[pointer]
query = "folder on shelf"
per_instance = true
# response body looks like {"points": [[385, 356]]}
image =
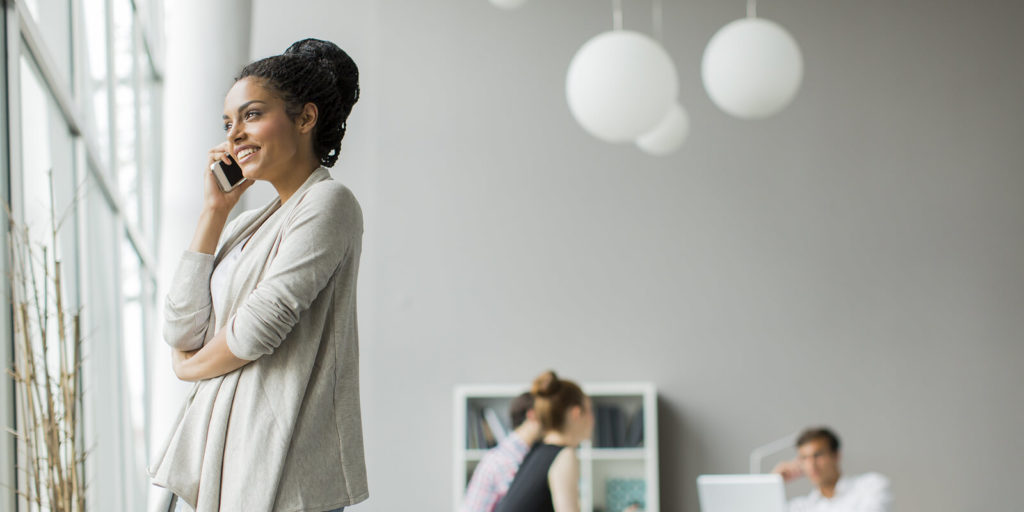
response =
{"points": [[635, 431], [618, 428], [611, 430], [602, 427]]}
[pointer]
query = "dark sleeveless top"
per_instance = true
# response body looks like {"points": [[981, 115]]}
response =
{"points": [[529, 491]]}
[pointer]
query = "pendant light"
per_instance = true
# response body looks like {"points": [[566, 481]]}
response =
{"points": [[622, 86], [752, 67]]}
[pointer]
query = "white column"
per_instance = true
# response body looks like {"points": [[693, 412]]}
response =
{"points": [[207, 44]]}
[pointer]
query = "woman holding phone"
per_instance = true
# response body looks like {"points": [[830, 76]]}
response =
{"points": [[261, 314], [548, 479]]}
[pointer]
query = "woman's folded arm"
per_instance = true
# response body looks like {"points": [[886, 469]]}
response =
{"points": [[188, 305], [213, 360]]}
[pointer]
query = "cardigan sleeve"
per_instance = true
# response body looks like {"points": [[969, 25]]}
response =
{"points": [[322, 232], [188, 305]]}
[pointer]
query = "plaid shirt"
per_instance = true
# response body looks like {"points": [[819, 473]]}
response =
{"points": [[494, 475]]}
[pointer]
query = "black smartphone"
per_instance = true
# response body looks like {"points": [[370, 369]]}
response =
{"points": [[228, 175]]}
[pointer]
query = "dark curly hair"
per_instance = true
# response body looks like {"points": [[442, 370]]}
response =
{"points": [[318, 72]]}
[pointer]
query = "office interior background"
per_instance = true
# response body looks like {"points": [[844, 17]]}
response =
{"points": [[856, 260]]}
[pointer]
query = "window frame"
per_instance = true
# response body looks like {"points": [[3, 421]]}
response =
{"points": [[8, 448], [23, 36]]}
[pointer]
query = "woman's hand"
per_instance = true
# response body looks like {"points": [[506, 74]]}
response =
{"points": [[217, 204], [179, 360], [213, 360], [216, 200]]}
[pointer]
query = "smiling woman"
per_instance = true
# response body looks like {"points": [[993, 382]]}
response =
{"points": [[262, 311], [264, 139]]}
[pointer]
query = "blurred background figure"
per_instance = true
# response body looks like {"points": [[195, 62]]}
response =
{"points": [[498, 467], [548, 480], [818, 459]]}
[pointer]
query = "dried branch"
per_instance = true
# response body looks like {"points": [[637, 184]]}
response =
{"points": [[47, 366]]}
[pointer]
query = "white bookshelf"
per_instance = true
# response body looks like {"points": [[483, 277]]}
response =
{"points": [[597, 465]]}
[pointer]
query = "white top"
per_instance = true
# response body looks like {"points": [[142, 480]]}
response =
{"points": [[865, 493], [221, 275]]}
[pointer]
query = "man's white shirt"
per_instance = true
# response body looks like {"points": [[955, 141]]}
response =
{"points": [[865, 493]]}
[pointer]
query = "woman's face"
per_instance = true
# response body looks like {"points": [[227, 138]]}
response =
{"points": [[588, 419], [582, 421], [261, 136]]}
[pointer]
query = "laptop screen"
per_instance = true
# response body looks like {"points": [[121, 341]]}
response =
{"points": [[741, 493]]}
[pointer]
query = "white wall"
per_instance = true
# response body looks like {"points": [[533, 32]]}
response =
{"points": [[854, 261]]}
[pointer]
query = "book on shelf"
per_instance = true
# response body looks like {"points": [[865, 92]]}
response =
{"points": [[485, 428], [494, 421], [471, 440], [481, 436], [489, 439]]}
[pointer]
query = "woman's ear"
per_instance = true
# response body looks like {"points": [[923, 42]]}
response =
{"points": [[307, 118], [576, 412]]}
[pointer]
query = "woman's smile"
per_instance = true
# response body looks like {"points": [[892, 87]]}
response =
{"points": [[243, 153]]}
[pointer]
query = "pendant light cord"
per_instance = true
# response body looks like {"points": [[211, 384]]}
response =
{"points": [[657, 18], [751, 8]]}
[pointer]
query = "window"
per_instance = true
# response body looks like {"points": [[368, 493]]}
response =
{"points": [[83, 105]]}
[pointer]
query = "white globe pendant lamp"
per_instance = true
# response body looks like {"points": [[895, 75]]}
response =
{"points": [[668, 135], [752, 67], [620, 84], [508, 4]]}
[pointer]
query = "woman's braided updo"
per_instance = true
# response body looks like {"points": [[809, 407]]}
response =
{"points": [[318, 72]]}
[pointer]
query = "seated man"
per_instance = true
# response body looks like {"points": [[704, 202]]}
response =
{"points": [[818, 460], [498, 466]]}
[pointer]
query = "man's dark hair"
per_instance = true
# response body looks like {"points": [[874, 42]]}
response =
{"points": [[815, 433], [518, 408]]}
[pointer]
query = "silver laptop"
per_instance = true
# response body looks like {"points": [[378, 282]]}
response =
{"points": [[741, 493]]}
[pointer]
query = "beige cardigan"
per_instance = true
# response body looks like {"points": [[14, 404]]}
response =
{"points": [[284, 432]]}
